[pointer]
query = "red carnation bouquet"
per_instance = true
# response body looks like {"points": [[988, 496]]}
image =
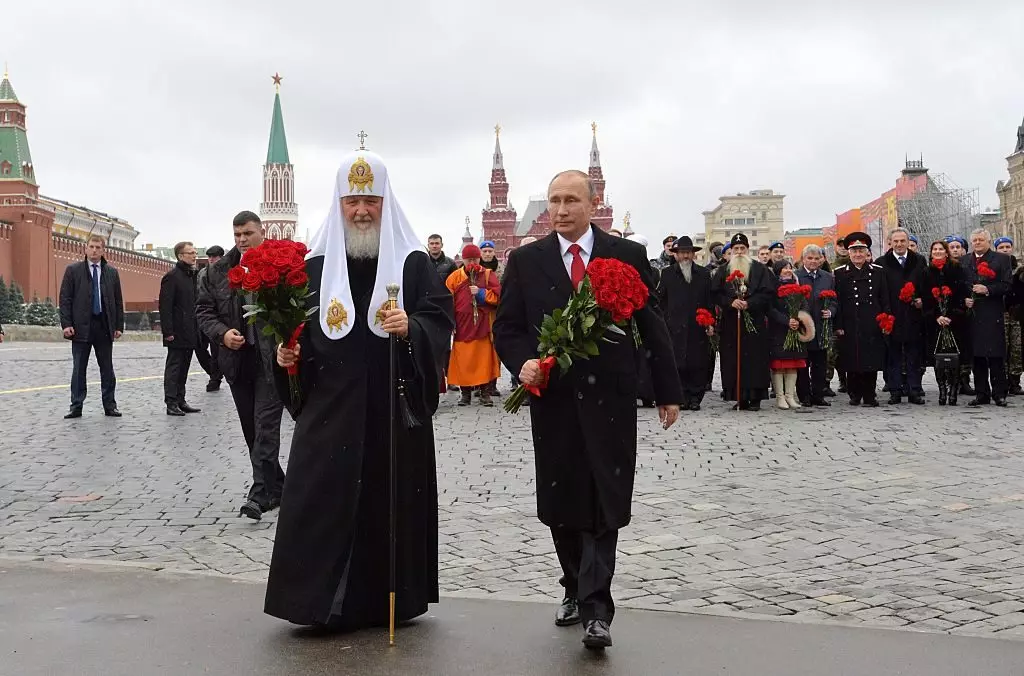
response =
{"points": [[706, 320], [828, 298], [886, 322], [795, 295], [473, 272], [737, 279], [275, 274], [605, 302], [985, 274], [908, 294], [946, 342]]}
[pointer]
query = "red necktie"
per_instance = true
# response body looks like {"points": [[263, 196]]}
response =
{"points": [[578, 270]]}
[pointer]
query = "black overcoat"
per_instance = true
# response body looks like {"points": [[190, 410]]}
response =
{"points": [[331, 548], [584, 424], [909, 326], [988, 333], [822, 281], [680, 301], [862, 295], [952, 275], [178, 307], [76, 299], [755, 348]]}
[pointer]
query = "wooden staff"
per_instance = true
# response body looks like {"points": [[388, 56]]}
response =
{"points": [[739, 362], [392, 472]]}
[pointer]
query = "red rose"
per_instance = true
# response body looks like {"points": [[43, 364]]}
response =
{"points": [[946, 291], [235, 276], [907, 292], [252, 281], [300, 249], [270, 275], [986, 271], [936, 292], [297, 278], [806, 290], [252, 258]]}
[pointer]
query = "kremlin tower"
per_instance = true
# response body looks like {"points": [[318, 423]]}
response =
{"points": [[603, 216], [278, 210], [499, 218]]}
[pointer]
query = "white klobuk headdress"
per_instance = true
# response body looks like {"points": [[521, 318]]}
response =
{"points": [[361, 173]]}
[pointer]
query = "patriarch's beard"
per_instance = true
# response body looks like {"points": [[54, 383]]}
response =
{"points": [[362, 243]]}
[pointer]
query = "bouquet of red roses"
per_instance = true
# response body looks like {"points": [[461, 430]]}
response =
{"points": [[736, 278], [946, 342], [986, 273], [605, 301], [274, 275], [886, 322], [908, 294], [706, 320], [827, 298], [795, 296]]}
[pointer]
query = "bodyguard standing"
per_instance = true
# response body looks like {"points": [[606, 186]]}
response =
{"points": [[178, 324], [247, 362], [206, 351], [92, 316], [584, 427], [686, 288]]}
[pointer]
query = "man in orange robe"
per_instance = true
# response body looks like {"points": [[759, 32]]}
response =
{"points": [[474, 363]]}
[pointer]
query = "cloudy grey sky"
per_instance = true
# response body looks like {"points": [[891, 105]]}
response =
{"points": [[159, 112]]}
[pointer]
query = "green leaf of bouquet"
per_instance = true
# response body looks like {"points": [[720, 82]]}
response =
{"points": [[591, 348]]}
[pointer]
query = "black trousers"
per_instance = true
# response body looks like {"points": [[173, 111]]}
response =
{"points": [[99, 340], [176, 374], [862, 385], [694, 382], [259, 412], [208, 358], [810, 380], [990, 377], [898, 356], [588, 564]]}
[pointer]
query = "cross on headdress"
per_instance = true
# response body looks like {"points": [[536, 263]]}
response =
{"points": [[362, 139]]}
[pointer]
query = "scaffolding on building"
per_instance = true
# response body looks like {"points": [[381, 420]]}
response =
{"points": [[941, 208]]}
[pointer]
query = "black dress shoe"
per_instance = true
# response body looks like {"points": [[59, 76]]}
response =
{"points": [[829, 392], [916, 399], [967, 390], [188, 409], [979, 401], [1000, 402], [251, 509], [112, 412], [73, 413], [694, 405], [597, 635], [754, 406], [172, 409], [895, 399], [213, 386], [820, 402], [568, 613], [870, 403]]}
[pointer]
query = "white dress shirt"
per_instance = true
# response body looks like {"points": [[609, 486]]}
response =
{"points": [[586, 242]]}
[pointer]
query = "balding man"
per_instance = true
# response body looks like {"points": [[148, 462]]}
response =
{"points": [[585, 424]]}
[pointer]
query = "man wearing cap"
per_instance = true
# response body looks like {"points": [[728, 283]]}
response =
{"points": [[985, 318], [1011, 318], [685, 289], [776, 252], [665, 259], [585, 421], [751, 296], [905, 346], [863, 295], [474, 363], [489, 260], [329, 566]]}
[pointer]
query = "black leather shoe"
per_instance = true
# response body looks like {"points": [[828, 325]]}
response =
{"points": [[251, 509], [73, 413], [895, 399], [112, 412], [213, 386], [597, 635], [694, 405], [870, 403], [188, 409], [1000, 402], [568, 613], [829, 392], [820, 402], [916, 399], [172, 409], [979, 401], [967, 390]]}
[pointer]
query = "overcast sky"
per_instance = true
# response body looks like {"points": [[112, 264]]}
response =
{"points": [[160, 112]]}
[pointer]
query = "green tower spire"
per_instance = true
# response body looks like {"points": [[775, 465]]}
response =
{"points": [[277, 150]]}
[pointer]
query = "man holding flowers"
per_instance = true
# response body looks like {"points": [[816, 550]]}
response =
{"points": [[905, 280], [989, 276], [584, 417]]}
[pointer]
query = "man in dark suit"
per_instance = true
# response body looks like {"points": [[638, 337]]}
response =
{"points": [[178, 324], [247, 362], [92, 316], [685, 288], [810, 380], [905, 350], [206, 350], [986, 318], [584, 425]]}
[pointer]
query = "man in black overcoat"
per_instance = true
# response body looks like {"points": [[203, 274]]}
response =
{"points": [[585, 422], [92, 316], [906, 344], [810, 380], [862, 295], [985, 314], [686, 287], [179, 327]]}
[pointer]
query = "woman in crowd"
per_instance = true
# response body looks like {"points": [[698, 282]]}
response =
{"points": [[944, 274]]}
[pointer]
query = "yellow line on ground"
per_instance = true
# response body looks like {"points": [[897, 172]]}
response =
{"points": [[95, 382]]}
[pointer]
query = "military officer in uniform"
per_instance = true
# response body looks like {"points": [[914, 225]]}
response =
{"points": [[863, 295]]}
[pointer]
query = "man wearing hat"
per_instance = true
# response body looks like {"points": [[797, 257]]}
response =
{"points": [[863, 295], [685, 289], [1011, 317], [666, 259], [474, 363], [749, 297], [489, 260], [776, 252]]}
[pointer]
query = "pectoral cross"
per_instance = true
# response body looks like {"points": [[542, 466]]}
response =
{"points": [[362, 139]]}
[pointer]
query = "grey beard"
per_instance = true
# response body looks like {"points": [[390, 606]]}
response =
{"points": [[687, 269], [741, 263], [362, 243]]}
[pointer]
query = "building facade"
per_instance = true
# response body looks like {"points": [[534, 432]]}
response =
{"points": [[757, 214], [1011, 193], [41, 236], [278, 210]]}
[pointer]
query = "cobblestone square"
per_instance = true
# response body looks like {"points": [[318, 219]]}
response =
{"points": [[901, 516]]}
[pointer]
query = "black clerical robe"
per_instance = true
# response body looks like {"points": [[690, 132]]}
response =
{"points": [[754, 348], [330, 560]]}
